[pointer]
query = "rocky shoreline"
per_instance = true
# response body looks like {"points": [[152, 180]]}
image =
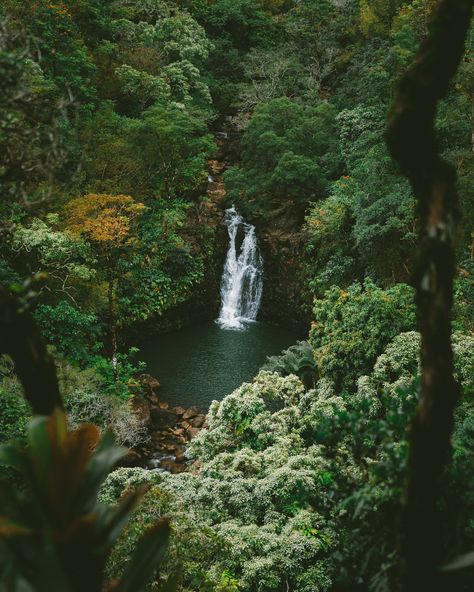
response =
{"points": [[169, 430]]}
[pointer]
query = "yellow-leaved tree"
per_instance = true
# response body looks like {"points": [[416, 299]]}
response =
{"points": [[109, 224]]}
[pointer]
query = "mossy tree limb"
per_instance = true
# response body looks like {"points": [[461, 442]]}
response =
{"points": [[412, 141]]}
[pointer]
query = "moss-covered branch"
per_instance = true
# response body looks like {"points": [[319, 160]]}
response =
{"points": [[412, 141]]}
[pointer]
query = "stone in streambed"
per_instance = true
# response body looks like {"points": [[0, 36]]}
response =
{"points": [[191, 412], [192, 433], [180, 456], [198, 421], [179, 431], [141, 408], [159, 435], [162, 418], [172, 466], [149, 384], [131, 459]]}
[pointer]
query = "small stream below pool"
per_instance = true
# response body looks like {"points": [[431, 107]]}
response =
{"points": [[204, 362]]}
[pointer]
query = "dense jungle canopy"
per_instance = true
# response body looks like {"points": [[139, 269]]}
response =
{"points": [[135, 137]]}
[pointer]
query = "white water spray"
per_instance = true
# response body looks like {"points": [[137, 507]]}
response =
{"points": [[242, 279]]}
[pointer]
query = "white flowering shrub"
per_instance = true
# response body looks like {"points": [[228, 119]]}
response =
{"points": [[84, 399], [124, 479], [87, 404], [293, 489], [463, 347], [322, 412], [244, 418]]}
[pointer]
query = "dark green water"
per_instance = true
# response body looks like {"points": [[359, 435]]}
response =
{"points": [[204, 362]]}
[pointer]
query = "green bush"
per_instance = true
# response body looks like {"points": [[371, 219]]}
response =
{"points": [[55, 535], [297, 359], [289, 154], [72, 332], [14, 411], [351, 328], [86, 399]]}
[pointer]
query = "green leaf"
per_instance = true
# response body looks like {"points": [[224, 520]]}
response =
{"points": [[461, 562], [146, 558], [105, 458], [115, 521], [14, 582], [40, 447]]}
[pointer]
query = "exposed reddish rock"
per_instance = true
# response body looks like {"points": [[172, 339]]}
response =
{"points": [[192, 433], [170, 429], [162, 418], [178, 431], [149, 384], [132, 459], [180, 456], [141, 408], [191, 412], [198, 421], [171, 465]]}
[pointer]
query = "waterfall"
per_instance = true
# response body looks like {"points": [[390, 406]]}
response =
{"points": [[242, 279]]}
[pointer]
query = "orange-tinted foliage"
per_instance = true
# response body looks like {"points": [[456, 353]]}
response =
{"points": [[57, 7], [104, 219]]}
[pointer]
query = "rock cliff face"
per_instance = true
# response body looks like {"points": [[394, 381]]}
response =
{"points": [[285, 299]]}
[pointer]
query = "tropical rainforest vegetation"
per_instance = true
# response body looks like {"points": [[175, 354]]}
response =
{"points": [[112, 115]]}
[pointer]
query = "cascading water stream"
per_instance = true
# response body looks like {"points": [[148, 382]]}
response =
{"points": [[242, 279]]}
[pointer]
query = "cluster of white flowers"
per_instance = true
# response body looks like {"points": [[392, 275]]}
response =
{"points": [[124, 479], [463, 347]]}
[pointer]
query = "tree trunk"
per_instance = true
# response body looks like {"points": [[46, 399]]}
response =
{"points": [[412, 141], [112, 321]]}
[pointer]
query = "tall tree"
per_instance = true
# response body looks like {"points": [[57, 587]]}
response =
{"points": [[107, 222], [414, 145]]}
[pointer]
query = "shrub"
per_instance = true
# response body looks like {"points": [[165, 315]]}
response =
{"points": [[298, 360], [351, 328], [14, 411], [68, 329], [301, 489], [86, 401]]}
